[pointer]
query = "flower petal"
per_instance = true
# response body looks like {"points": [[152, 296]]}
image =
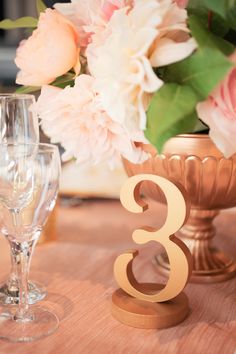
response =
{"points": [[169, 52]]}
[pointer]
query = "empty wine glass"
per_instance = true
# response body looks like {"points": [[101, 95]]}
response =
{"points": [[18, 124], [29, 180], [18, 121]]}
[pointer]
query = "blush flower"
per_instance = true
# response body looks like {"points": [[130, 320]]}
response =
{"points": [[219, 113], [150, 34], [51, 51], [182, 3], [90, 16], [74, 117]]}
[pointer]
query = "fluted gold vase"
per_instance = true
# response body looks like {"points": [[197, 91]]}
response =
{"points": [[210, 181]]}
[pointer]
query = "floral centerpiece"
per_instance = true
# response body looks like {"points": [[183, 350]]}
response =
{"points": [[113, 73]]}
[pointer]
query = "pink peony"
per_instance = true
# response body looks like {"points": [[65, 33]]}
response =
{"points": [[182, 3], [75, 118], [51, 51], [109, 7], [219, 113], [90, 16]]}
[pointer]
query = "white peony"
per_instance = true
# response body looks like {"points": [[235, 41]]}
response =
{"points": [[152, 33]]}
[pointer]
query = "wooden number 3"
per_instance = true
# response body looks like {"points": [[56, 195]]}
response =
{"points": [[178, 253]]}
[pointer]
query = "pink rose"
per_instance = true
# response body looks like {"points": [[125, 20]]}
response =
{"points": [[219, 113], [182, 3], [51, 51]]}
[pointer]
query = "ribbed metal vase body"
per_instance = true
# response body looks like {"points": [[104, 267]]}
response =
{"points": [[210, 181]]}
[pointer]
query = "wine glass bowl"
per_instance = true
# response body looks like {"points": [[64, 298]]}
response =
{"points": [[15, 183], [35, 179], [18, 120]]}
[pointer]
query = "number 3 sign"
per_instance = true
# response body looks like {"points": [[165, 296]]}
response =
{"points": [[154, 305]]}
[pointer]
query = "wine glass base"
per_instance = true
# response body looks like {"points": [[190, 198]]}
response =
{"points": [[9, 293], [41, 323]]}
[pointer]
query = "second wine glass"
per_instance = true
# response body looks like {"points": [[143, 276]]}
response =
{"points": [[29, 180], [18, 124]]}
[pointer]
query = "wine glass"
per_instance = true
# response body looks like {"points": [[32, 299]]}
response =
{"points": [[18, 124], [29, 181]]}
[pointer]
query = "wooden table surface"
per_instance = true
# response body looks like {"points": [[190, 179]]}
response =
{"points": [[78, 272]]}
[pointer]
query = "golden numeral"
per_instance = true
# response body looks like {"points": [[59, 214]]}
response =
{"points": [[179, 255]]}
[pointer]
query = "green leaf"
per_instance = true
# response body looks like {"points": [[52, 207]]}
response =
{"points": [[202, 71], [231, 36], [218, 6], [231, 16], [196, 4], [226, 9], [61, 82], [64, 80], [221, 7], [27, 89], [218, 26], [200, 127], [171, 112], [207, 39], [23, 22], [41, 7]]}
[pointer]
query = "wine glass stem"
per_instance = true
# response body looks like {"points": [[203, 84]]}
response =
{"points": [[13, 274], [22, 253]]}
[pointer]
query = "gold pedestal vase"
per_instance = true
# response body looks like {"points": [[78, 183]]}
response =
{"points": [[210, 181]]}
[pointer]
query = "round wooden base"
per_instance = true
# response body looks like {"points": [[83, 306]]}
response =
{"points": [[143, 314]]}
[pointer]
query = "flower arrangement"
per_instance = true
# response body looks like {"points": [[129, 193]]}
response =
{"points": [[113, 73]]}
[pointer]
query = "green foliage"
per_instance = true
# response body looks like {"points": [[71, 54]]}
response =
{"points": [[202, 71], [172, 109], [27, 89], [171, 112], [64, 80], [231, 37], [226, 9], [221, 7], [200, 127], [218, 25], [231, 16], [41, 7], [23, 22], [207, 39], [207, 66]]}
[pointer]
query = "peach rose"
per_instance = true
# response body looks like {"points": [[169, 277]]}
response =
{"points": [[51, 51], [219, 113]]}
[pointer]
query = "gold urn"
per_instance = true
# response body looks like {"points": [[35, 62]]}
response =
{"points": [[210, 181]]}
